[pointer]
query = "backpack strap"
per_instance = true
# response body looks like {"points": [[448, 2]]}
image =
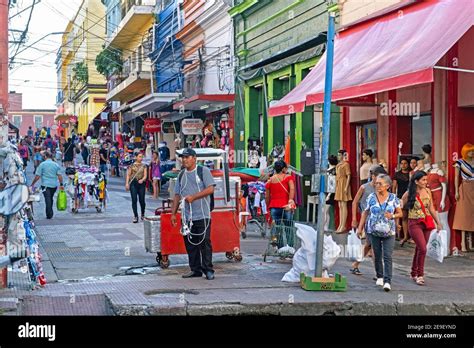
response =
{"points": [[180, 176], [201, 175]]}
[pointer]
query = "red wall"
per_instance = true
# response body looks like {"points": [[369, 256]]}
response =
{"points": [[29, 120]]}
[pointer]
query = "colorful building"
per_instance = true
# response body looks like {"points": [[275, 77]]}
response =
{"points": [[208, 88], [129, 26], [399, 94], [274, 52], [82, 90]]}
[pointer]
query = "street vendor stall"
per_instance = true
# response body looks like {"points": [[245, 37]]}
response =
{"points": [[87, 188], [165, 240]]}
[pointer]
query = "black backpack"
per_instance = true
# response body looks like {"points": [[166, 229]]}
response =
{"points": [[201, 177]]}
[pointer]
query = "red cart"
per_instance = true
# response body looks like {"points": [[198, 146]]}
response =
{"points": [[225, 236], [225, 225]]}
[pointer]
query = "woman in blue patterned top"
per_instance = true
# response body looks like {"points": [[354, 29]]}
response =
{"points": [[381, 210]]}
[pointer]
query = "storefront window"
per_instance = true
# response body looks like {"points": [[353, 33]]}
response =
{"points": [[366, 139], [421, 133]]}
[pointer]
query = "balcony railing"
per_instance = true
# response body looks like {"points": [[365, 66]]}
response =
{"points": [[127, 5]]}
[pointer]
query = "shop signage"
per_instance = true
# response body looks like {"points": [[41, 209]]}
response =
{"points": [[152, 125], [366, 100], [115, 117], [192, 126]]}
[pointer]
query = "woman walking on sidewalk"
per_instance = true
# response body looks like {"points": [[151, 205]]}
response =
{"points": [[421, 221], [135, 182], [382, 209], [155, 174], [360, 202]]}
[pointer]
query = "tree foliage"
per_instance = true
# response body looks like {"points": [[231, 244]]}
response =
{"points": [[109, 62]]}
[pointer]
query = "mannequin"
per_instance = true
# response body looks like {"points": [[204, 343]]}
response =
{"points": [[343, 188], [331, 190], [463, 220], [367, 163], [427, 154], [438, 186], [384, 164]]}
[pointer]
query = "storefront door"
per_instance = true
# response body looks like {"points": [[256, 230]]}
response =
{"points": [[366, 138]]}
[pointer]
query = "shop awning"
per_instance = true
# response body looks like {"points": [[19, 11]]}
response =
{"points": [[206, 102], [394, 51], [153, 102]]}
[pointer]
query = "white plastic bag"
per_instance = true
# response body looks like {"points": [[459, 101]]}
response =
{"points": [[331, 251], [354, 250], [304, 260], [435, 246], [300, 265], [444, 240]]}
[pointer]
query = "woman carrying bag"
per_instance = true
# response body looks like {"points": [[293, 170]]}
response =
{"points": [[422, 219], [279, 197], [280, 193], [381, 210], [136, 183]]}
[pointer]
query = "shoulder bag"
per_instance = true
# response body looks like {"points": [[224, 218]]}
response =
{"points": [[428, 219]]}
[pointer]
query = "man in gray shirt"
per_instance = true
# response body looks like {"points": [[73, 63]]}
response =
{"points": [[195, 186]]}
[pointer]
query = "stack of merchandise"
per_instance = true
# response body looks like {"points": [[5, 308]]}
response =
{"points": [[90, 185], [95, 156], [254, 195], [17, 218]]}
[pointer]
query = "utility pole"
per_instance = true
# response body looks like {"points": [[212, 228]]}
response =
{"points": [[325, 145]]}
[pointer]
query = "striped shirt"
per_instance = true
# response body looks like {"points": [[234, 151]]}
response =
{"points": [[467, 171]]}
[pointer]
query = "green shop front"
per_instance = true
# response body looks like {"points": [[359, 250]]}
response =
{"points": [[275, 52]]}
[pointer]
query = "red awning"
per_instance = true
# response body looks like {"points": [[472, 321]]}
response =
{"points": [[394, 51]]}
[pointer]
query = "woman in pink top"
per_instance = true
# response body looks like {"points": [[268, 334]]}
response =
{"points": [[23, 150]]}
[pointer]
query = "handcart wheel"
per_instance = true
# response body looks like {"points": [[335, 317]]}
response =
{"points": [[229, 255], [238, 258], [158, 258], [165, 262]]}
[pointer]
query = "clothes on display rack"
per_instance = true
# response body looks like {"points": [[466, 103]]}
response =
{"points": [[298, 188], [95, 156]]}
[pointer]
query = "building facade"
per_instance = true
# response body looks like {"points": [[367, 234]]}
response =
{"points": [[274, 51], [25, 118], [82, 93], [129, 26], [208, 88], [400, 94]]}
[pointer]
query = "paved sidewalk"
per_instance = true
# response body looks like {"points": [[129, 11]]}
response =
{"points": [[96, 264]]}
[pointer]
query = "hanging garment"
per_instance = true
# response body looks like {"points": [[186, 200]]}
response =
{"points": [[256, 202]]}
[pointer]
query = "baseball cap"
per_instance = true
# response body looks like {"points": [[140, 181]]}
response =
{"points": [[188, 152], [377, 169]]}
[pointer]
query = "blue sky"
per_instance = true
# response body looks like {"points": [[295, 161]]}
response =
{"points": [[34, 71]]}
